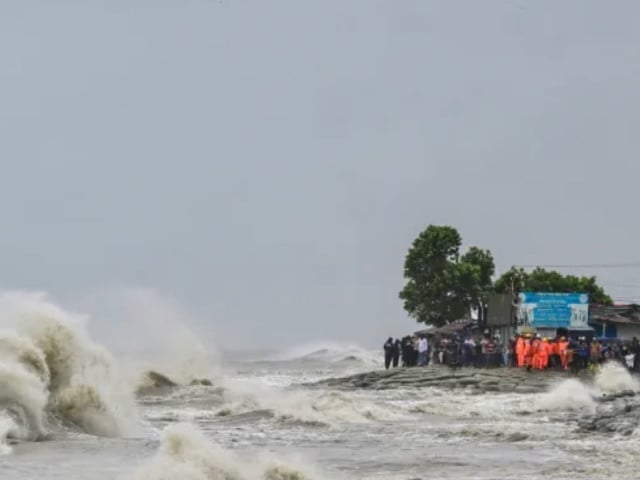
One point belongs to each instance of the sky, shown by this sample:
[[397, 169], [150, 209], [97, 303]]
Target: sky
[[263, 166]]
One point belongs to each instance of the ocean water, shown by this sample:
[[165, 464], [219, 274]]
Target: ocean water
[[69, 409]]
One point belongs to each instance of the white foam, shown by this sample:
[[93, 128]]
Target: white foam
[[8, 429], [49, 364], [568, 395], [572, 394], [331, 408], [186, 454], [613, 378]]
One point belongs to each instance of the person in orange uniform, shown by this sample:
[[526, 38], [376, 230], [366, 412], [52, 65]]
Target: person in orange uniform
[[543, 354], [520, 351], [563, 346], [528, 351], [535, 351]]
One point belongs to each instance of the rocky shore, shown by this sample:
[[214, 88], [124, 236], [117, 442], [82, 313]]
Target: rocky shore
[[472, 379]]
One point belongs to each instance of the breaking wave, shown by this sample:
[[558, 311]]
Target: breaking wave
[[327, 352], [613, 378], [250, 400], [53, 375], [329, 408], [185, 453], [574, 395], [570, 394]]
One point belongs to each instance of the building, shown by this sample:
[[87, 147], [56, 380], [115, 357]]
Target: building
[[617, 321]]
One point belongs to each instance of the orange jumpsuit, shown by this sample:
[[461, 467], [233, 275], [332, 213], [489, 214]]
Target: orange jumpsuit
[[551, 351], [563, 345], [543, 355], [520, 351], [535, 349], [528, 353]]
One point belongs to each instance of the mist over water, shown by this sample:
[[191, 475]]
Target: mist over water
[[149, 330]]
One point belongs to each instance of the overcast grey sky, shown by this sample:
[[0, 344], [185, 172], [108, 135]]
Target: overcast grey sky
[[267, 163]]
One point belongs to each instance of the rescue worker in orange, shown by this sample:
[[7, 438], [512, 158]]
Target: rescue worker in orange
[[543, 354], [520, 351], [563, 351], [535, 350], [528, 351]]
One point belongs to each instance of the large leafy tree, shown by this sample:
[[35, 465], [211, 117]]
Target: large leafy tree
[[517, 280], [443, 286], [482, 262]]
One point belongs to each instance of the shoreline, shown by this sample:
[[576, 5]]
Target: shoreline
[[476, 380]]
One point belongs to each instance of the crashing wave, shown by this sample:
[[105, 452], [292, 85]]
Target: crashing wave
[[294, 406], [185, 453], [326, 352], [571, 394], [52, 373]]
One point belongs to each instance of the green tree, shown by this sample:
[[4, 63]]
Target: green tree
[[482, 261], [512, 281], [442, 286], [541, 280]]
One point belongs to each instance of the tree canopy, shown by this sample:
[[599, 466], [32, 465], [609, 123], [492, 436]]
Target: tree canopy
[[443, 286], [541, 280]]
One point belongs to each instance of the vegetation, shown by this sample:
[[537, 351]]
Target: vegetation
[[517, 280], [444, 286]]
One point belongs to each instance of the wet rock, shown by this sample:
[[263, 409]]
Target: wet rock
[[204, 382], [470, 379], [517, 437], [154, 381]]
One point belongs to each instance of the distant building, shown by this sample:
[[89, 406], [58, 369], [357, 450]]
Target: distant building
[[617, 321]]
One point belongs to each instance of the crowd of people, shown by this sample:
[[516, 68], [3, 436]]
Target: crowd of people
[[527, 350], [414, 351]]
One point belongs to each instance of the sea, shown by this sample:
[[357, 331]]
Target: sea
[[72, 409]]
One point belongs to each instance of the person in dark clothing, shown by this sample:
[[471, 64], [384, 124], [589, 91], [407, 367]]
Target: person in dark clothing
[[582, 354], [452, 353], [635, 349], [477, 360], [408, 352], [396, 353], [388, 352], [404, 352]]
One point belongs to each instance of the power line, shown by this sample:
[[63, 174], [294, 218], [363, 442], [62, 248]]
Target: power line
[[622, 285], [585, 265]]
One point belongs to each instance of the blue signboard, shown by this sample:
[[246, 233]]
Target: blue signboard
[[553, 310]]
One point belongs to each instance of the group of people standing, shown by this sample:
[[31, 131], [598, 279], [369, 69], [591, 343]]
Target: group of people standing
[[414, 350], [531, 351], [540, 353], [527, 350]]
